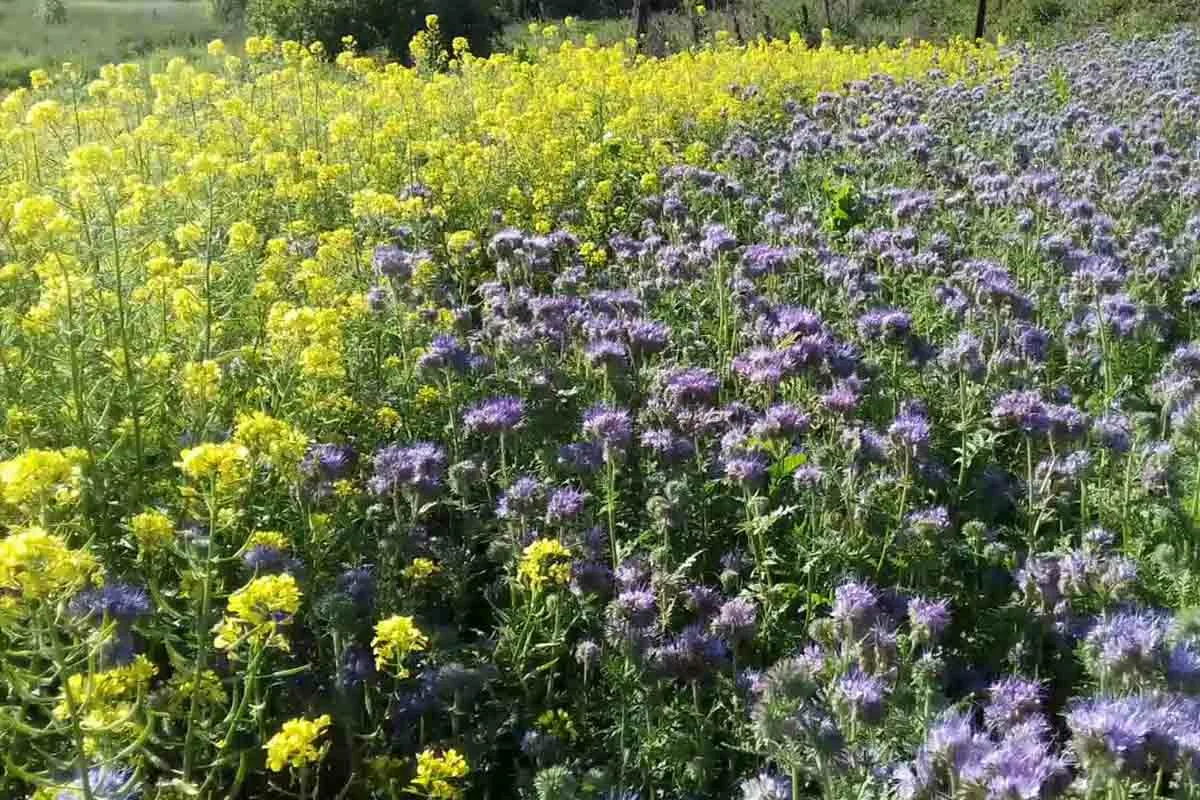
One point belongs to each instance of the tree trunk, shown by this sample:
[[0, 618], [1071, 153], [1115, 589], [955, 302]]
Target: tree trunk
[[641, 21], [732, 9], [829, 14], [981, 19]]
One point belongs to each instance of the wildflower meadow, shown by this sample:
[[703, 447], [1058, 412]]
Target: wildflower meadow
[[761, 421]]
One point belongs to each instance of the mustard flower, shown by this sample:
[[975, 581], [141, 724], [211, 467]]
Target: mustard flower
[[296, 743]]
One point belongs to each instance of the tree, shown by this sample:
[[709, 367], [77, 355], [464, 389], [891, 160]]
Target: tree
[[981, 19]]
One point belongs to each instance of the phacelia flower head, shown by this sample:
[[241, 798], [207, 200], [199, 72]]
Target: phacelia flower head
[[495, 416]]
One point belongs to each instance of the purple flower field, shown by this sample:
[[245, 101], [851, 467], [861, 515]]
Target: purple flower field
[[863, 462]]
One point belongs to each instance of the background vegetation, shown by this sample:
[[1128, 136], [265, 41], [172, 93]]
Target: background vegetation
[[42, 33]]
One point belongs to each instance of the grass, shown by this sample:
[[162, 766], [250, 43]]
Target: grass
[[97, 32]]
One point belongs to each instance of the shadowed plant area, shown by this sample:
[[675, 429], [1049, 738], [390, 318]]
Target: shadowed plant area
[[768, 421]]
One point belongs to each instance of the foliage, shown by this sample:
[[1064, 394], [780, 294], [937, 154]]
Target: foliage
[[758, 421], [388, 24]]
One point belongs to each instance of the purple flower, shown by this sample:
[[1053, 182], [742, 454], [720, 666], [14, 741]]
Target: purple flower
[[855, 609], [737, 621], [638, 607], [328, 463], [889, 325], [765, 786], [612, 427], [607, 353], [964, 355], [445, 352], [591, 578], [521, 499], [691, 655], [1114, 432], [842, 399], [929, 521], [1023, 410], [1128, 647], [929, 618], [717, 239], [1112, 735], [762, 366], [746, 469], [358, 585], [691, 387], [497, 415], [667, 446], [703, 601], [859, 696], [393, 262], [120, 603], [808, 476], [781, 421], [647, 337], [587, 653], [377, 298], [420, 468], [1067, 423], [910, 430], [358, 665], [1012, 700], [564, 505]]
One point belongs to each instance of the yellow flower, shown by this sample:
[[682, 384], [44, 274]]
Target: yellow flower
[[436, 773], [38, 565], [216, 48], [201, 381], [42, 476], [91, 692], [273, 540], [228, 463], [152, 530], [277, 443], [545, 563], [395, 638], [259, 601], [295, 745], [255, 612], [421, 569]]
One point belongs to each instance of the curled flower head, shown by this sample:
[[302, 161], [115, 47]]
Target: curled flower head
[[419, 468], [495, 416]]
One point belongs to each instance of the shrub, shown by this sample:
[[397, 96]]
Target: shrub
[[52, 12], [374, 24]]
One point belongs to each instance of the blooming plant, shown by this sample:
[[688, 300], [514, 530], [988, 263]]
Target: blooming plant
[[763, 421]]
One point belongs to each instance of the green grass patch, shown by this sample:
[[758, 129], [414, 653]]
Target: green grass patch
[[97, 32]]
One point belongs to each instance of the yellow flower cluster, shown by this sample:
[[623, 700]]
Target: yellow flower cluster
[[558, 723], [421, 569], [295, 745], [37, 565], [276, 443], [273, 540], [253, 612], [436, 773], [545, 563], [228, 463], [395, 638], [41, 476], [105, 702], [152, 530]]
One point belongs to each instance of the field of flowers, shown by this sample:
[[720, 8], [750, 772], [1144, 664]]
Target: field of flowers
[[756, 422]]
